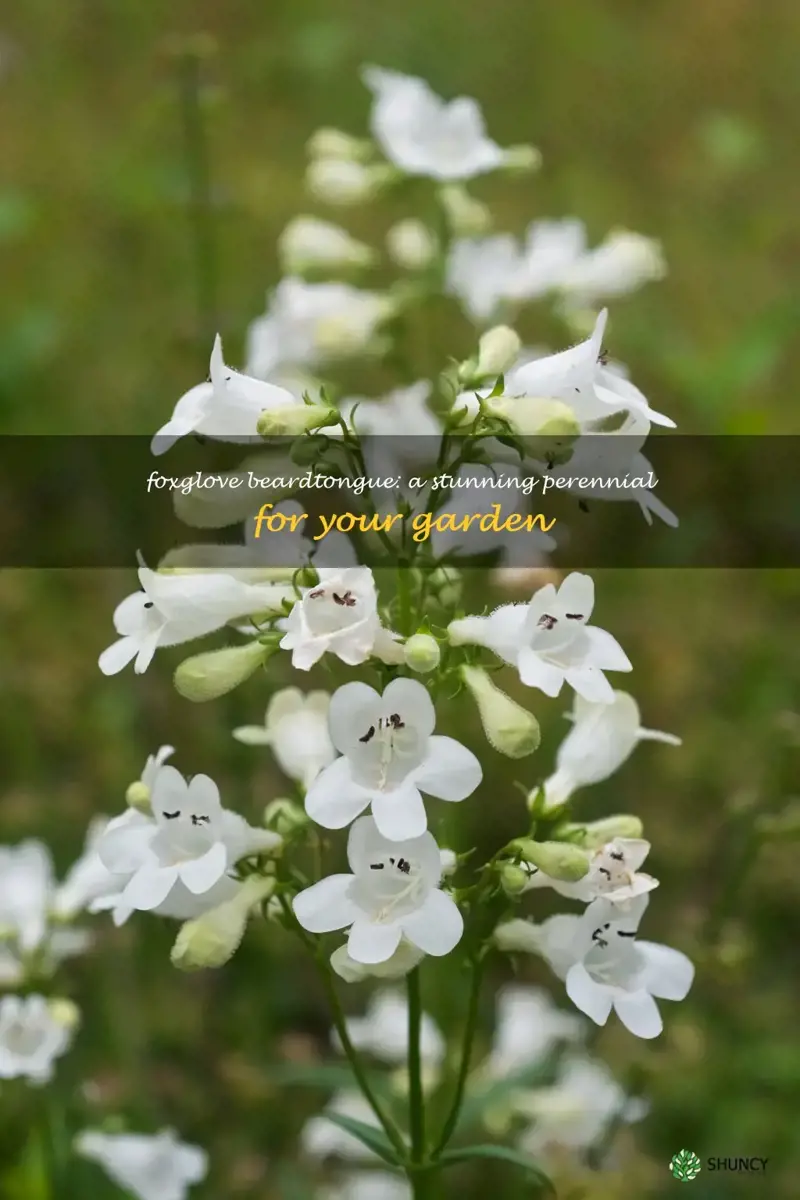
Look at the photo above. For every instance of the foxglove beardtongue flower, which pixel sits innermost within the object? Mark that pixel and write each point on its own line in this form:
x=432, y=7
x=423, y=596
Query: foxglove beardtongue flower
x=549, y=640
x=602, y=738
x=183, y=852
x=613, y=874
x=150, y=1168
x=392, y=893
x=227, y=407
x=321, y=1138
x=620, y=264
x=528, y=1027
x=369, y=1185
x=309, y=244
x=389, y=755
x=296, y=729
x=405, y=958
x=403, y=411
x=383, y=1031
x=340, y=615
x=176, y=608
x=26, y=888
x=32, y=1037
x=423, y=135
x=88, y=878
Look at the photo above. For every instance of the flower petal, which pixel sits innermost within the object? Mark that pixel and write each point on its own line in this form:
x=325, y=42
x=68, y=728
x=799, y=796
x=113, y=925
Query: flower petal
x=400, y=814
x=591, y=684
x=576, y=595
x=450, y=771
x=535, y=672
x=202, y=873
x=252, y=735
x=149, y=887
x=436, y=927
x=639, y=1013
x=668, y=973
x=117, y=656
x=606, y=652
x=346, y=703
x=370, y=942
x=590, y=997
x=334, y=798
x=410, y=696
x=326, y=905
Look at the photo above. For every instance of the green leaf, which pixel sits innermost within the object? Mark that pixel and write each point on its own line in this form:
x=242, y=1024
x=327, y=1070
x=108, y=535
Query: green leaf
x=503, y=1154
x=374, y=1139
x=495, y=1093
x=332, y=1076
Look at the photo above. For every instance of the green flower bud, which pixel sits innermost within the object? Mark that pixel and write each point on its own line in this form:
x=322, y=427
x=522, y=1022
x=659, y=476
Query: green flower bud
x=510, y=728
x=529, y=415
x=517, y=936
x=498, y=349
x=285, y=817
x=290, y=420
x=138, y=796
x=598, y=833
x=559, y=860
x=422, y=653
x=64, y=1013
x=522, y=160
x=212, y=939
x=335, y=143
x=447, y=583
x=513, y=879
x=466, y=216
x=412, y=245
x=213, y=674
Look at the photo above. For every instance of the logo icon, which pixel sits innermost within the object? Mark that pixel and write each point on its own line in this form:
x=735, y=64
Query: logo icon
x=685, y=1165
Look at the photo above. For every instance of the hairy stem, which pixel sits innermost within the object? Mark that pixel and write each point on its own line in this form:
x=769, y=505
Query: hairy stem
x=466, y=1058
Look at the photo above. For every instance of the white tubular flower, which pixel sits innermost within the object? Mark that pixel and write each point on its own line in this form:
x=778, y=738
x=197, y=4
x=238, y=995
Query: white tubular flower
x=483, y=273
x=176, y=862
x=296, y=730
x=328, y=142
x=613, y=874
x=368, y=1185
x=518, y=937
x=405, y=958
x=26, y=888
x=412, y=245
x=577, y=1109
x=320, y=1138
x=620, y=264
x=467, y=217
x=308, y=323
x=150, y=1168
x=383, y=1031
x=528, y=1027
x=309, y=244
x=391, y=894
x=345, y=181
x=339, y=615
x=226, y=408
x=602, y=738
x=32, y=1037
x=389, y=755
x=175, y=608
x=549, y=641
x=88, y=879
x=423, y=135
x=403, y=411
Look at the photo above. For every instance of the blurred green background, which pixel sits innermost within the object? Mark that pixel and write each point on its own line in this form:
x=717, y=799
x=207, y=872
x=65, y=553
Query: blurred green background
x=672, y=118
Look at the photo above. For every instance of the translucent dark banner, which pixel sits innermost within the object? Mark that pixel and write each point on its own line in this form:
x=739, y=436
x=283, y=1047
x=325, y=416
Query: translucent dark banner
x=691, y=501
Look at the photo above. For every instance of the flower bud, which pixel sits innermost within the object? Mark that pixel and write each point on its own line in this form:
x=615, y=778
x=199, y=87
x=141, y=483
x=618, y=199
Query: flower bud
x=529, y=415
x=560, y=860
x=308, y=244
x=521, y=160
x=598, y=833
x=447, y=583
x=285, y=817
x=64, y=1012
x=290, y=420
x=412, y=245
x=208, y=676
x=510, y=728
x=513, y=879
x=344, y=181
x=448, y=860
x=212, y=939
x=498, y=349
x=466, y=216
x=138, y=796
x=335, y=143
x=404, y=959
x=517, y=936
x=421, y=653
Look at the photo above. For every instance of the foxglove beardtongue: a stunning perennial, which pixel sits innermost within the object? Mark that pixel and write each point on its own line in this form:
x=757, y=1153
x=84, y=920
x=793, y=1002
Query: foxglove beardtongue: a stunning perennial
x=392, y=893
x=340, y=615
x=150, y=1168
x=549, y=640
x=389, y=755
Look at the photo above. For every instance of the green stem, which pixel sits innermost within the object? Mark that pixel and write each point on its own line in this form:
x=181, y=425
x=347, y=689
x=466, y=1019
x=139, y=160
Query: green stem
x=416, y=1098
x=466, y=1058
x=201, y=207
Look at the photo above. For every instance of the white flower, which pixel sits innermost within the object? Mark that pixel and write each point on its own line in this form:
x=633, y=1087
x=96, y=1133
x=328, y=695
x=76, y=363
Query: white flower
x=150, y=1168
x=577, y=1109
x=175, y=608
x=613, y=874
x=320, y=1138
x=336, y=180
x=605, y=967
x=602, y=738
x=412, y=245
x=26, y=888
x=88, y=879
x=383, y=1031
x=402, y=411
x=528, y=1027
x=423, y=135
x=31, y=1038
x=308, y=323
x=405, y=958
x=369, y=1185
x=389, y=755
x=296, y=728
x=176, y=861
x=340, y=615
x=307, y=243
x=391, y=894
x=620, y=264
x=227, y=407
x=549, y=641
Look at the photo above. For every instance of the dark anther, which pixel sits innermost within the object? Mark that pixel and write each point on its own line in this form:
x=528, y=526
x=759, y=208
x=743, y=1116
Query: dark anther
x=315, y=595
x=574, y=616
x=404, y=865
x=395, y=722
x=602, y=357
x=200, y=820
x=617, y=856
x=348, y=600
x=376, y=866
x=148, y=603
x=368, y=735
x=604, y=871
x=547, y=622
x=171, y=816
x=391, y=860
x=625, y=933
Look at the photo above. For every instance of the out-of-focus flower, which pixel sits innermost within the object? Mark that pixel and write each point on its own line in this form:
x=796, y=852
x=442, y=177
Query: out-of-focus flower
x=321, y=1138
x=402, y=412
x=346, y=181
x=412, y=245
x=577, y=1109
x=528, y=1027
x=310, y=244
x=296, y=729
x=150, y=1168
x=369, y=1185
x=392, y=893
x=405, y=958
x=383, y=1031
x=466, y=216
x=620, y=264
x=33, y=1034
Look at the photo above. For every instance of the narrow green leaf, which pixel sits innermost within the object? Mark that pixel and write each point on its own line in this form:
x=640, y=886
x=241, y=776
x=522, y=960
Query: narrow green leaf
x=332, y=1076
x=504, y=1154
x=371, y=1137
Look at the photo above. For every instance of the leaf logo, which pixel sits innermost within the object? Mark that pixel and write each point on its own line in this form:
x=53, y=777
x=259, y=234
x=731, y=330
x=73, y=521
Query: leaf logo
x=685, y=1165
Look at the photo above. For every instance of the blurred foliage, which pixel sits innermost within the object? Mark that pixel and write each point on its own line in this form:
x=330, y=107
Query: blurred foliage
x=672, y=118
